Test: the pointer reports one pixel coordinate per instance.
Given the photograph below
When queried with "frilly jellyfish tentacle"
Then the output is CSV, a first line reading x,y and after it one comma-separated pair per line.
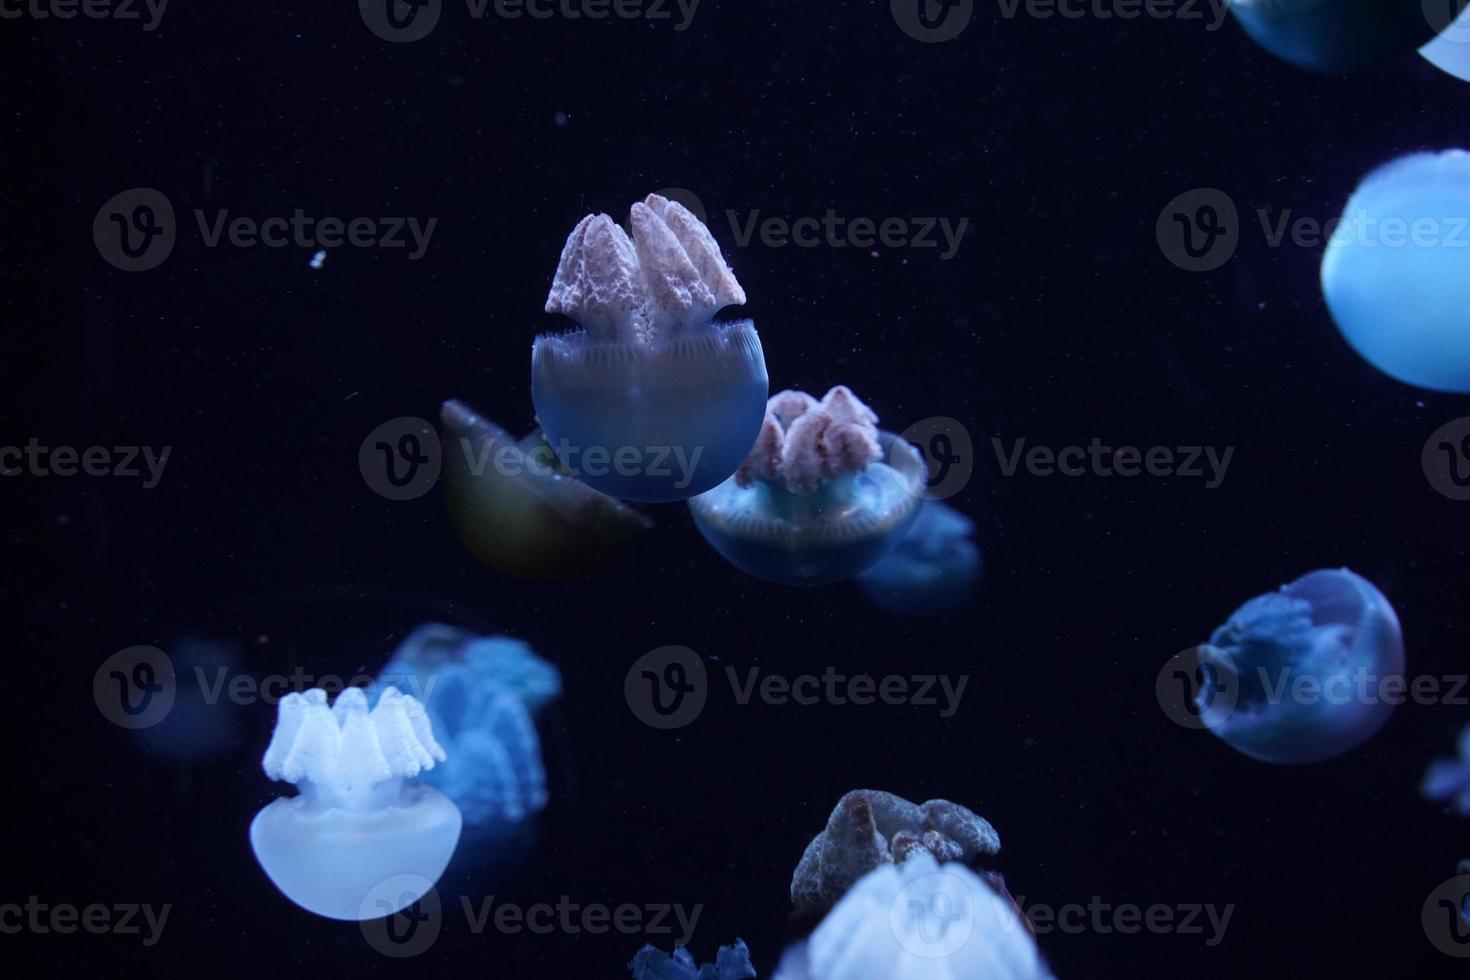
x,y
731,963
1306,667
1334,35
823,495
651,399
1449,779
361,819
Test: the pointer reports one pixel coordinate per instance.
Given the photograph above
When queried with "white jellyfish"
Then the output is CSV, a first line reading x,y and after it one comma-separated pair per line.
x,y
363,839
919,920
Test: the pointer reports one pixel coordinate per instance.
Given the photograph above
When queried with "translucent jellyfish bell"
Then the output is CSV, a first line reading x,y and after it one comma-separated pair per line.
x,y
651,399
516,510
823,495
1449,779
1334,35
1302,672
363,839
932,568
1450,49
1396,272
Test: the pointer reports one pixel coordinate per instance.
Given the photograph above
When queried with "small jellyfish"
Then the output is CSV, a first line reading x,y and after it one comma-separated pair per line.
x,y
731,963
480,694
1396,271
1334,35
823,495
919,920
517,511
1300,675
1449,779
651,399
933,567
364,838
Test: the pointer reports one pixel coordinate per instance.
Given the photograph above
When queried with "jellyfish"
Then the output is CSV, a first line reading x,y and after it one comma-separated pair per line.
x,y
203,721
1334,35
1302,674
932,568
516,510
823,495
650,399
731,963
1396,271
480,695
1449,51
921,919
1449,779
364,838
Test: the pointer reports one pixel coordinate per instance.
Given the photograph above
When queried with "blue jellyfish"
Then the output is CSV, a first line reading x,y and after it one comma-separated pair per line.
x,y
651,399
933,567
1449,779
517,511
364,838
823,495
731,963
1334,35
480,694
1450,49
1396,272
1304,673
920,920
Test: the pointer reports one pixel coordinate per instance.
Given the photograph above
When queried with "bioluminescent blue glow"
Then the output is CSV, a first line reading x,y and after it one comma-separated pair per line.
x,y
651,399
364,838
1449,779
731,963
1450,49
1396,272
932,569
1301,674
823,495
201,723
1334,35
480,694
919,920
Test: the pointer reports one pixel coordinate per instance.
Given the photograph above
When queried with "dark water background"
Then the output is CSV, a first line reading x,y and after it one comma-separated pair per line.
x,y
1059,320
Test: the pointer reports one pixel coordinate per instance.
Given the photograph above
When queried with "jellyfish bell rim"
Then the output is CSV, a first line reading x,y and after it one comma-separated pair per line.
x,y
1335,36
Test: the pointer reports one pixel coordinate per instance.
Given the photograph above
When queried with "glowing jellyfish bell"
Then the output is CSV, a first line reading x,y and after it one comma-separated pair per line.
x,y
823,495
517,511
363,839
1334,35
1396,272
1450,49
651,399
1298,675
932,568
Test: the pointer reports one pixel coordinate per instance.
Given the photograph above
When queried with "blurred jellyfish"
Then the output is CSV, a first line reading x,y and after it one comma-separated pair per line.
x,y
650,399
1334,35
1298,675
932,568
515,509
364,838
870,828
731,963
1396,272
1449,779
204,721
823,495
918,920
480,694
1450,49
